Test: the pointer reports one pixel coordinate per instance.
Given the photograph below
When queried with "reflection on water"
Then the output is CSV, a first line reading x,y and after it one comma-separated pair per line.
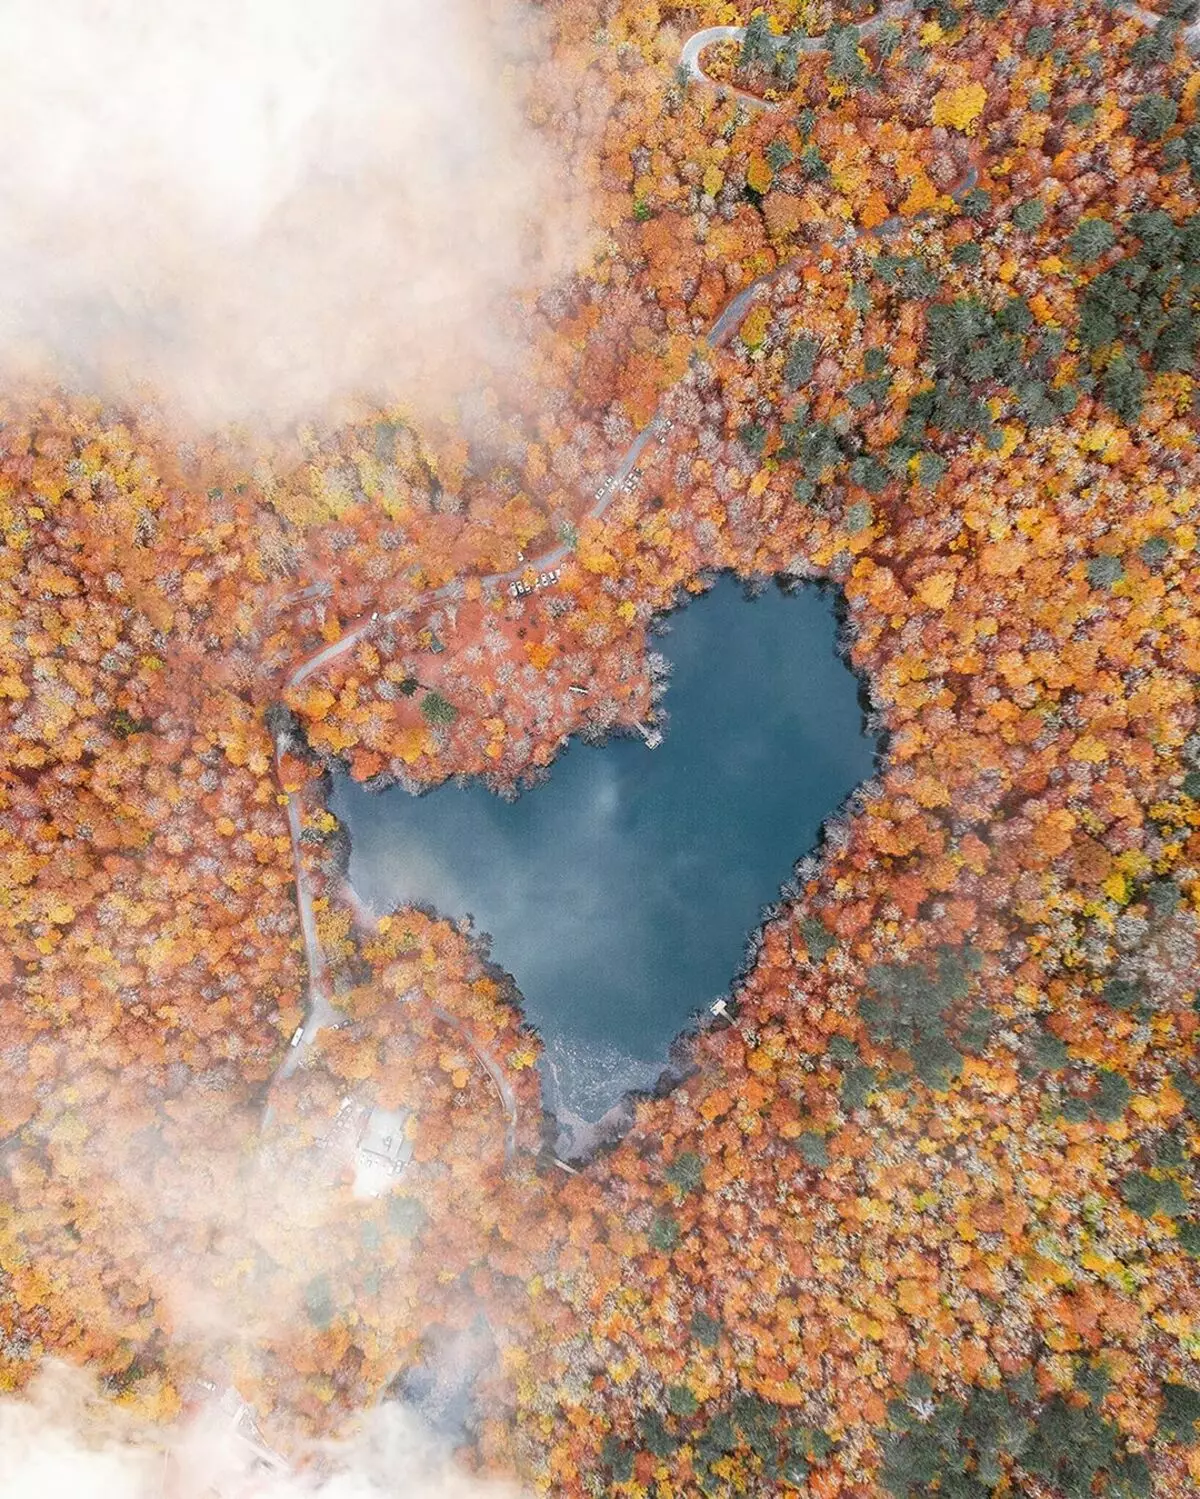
x,y
620,894
584,1078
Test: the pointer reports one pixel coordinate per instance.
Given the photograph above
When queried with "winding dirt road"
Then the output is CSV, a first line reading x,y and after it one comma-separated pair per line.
x,y
508,1100
321,1010
690,56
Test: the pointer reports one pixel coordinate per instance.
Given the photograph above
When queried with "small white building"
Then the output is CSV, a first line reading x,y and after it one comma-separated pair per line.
x,y
384,1150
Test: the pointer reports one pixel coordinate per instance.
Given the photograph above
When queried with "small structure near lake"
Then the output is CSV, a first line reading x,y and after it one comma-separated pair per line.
x,y
375,1141
384,1149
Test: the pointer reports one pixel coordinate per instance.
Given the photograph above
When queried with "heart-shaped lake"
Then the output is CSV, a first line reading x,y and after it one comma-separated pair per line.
x,y
620,894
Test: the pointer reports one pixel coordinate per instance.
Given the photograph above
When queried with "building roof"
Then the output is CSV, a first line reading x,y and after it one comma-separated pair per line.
x,y
384,1139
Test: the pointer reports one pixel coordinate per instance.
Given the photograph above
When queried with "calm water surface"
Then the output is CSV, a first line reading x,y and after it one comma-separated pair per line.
x,y
620,893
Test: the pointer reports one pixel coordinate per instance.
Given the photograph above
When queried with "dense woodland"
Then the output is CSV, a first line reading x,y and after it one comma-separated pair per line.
x,y
925,1218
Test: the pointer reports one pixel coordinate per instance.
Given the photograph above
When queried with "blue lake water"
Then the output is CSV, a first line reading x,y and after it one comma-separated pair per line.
x,y
621,893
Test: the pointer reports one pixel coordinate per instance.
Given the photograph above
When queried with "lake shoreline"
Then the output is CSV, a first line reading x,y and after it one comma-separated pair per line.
x,y
574,1133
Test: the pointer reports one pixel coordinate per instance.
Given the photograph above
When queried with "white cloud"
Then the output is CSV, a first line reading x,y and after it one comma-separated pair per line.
x,y
60,1439
262,207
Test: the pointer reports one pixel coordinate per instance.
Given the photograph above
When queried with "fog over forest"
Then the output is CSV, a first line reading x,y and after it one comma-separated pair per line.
x,y
264,211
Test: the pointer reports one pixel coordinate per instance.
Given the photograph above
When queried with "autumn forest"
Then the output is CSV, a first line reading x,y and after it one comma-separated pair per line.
x,y
900,298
